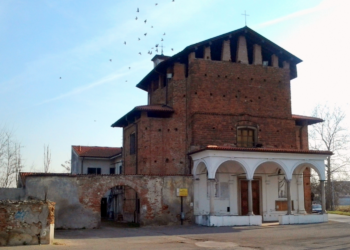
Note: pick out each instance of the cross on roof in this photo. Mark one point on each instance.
(245, 17)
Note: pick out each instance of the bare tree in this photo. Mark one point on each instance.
(47, 158)
(67, 166)
(331, 135)
(10, 158)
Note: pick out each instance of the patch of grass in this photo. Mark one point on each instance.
(339, 212)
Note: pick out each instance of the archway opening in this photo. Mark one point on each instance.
(309, 179)
(120, 205)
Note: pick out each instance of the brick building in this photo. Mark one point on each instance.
(220, 110)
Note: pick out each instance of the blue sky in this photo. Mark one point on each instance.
(43, 40)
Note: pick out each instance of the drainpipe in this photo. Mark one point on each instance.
(136, 146)
(82, 166)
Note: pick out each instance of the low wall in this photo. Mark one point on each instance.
(228, 220)
(302, 219)
(26, 222)
(16, 194)
(78, 197)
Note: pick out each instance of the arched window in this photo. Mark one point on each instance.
(246, 137)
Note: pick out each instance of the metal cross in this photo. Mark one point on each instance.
(245, 17)
(162, 48)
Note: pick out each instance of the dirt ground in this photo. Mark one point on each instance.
(332, 235)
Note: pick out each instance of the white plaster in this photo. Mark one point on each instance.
(225, 167)
(219, 221)
(302, 219)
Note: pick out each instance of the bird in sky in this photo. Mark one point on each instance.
(164, 34)
(110, 60)
(156, 50)
(125, 43)
(60, 77)
(146, 21)
(151, 26)
(129, 67)
(172, 49)
(162, 40)
(140, 53)
(139, 39)
(156, 45)
(137, 10)
(145, 34)
(136, 18)
(156, 4)
(126, 81)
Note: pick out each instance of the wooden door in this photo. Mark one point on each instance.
(244, 197)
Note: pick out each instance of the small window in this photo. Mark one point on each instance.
(120, 169)
(111, 170)
(132, 143)
(94, 170)
(246, 137)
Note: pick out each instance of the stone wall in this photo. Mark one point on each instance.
(78, 198)
(16, 194)
(26, 222)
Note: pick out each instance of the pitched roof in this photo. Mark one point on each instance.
(252, 38)
(272, 150)
(150, 109)
(97, 152)
(310, 120)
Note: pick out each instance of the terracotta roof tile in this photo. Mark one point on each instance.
(311, 120)
(98, 152)
(161, 108)
(272, 150)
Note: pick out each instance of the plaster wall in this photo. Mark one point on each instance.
(26, 222)
(229, 196)
(78, 197)
(12, 194)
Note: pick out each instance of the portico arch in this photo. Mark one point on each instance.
(234, 166)
(199, 167)
(299, 167)
(272, 166)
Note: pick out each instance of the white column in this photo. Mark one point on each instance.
(232, 202)
(196, 197)
(289, 200)
(250, 198)
(211, 202)
(300, 192)
(323, 197)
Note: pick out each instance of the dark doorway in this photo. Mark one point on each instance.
(103, 207)
(256, 197)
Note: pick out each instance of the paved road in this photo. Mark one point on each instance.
(339, 218)
(331, 235)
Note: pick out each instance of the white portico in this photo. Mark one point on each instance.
(246, 186)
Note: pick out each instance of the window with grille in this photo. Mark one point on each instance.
(132, 144)
(246, 137)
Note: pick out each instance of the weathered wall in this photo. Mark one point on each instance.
(78, 197)
(26, 222)
(16, 194)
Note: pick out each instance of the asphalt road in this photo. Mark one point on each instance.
(332, 235)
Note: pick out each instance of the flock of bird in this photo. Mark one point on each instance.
(156, 47)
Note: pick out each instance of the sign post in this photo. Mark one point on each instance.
(182, 192)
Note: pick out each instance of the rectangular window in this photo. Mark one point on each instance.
(132, 144)
(111, 170)
(94, 170)
(245, 138)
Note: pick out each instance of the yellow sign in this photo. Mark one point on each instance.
(182, 192)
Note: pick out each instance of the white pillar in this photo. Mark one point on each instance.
(242, 53)
(289, 200)
(211, 202)
(323, 197)
(250, 198)
(300, 192)
(231, 192)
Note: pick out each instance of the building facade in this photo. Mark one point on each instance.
(220, 110)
